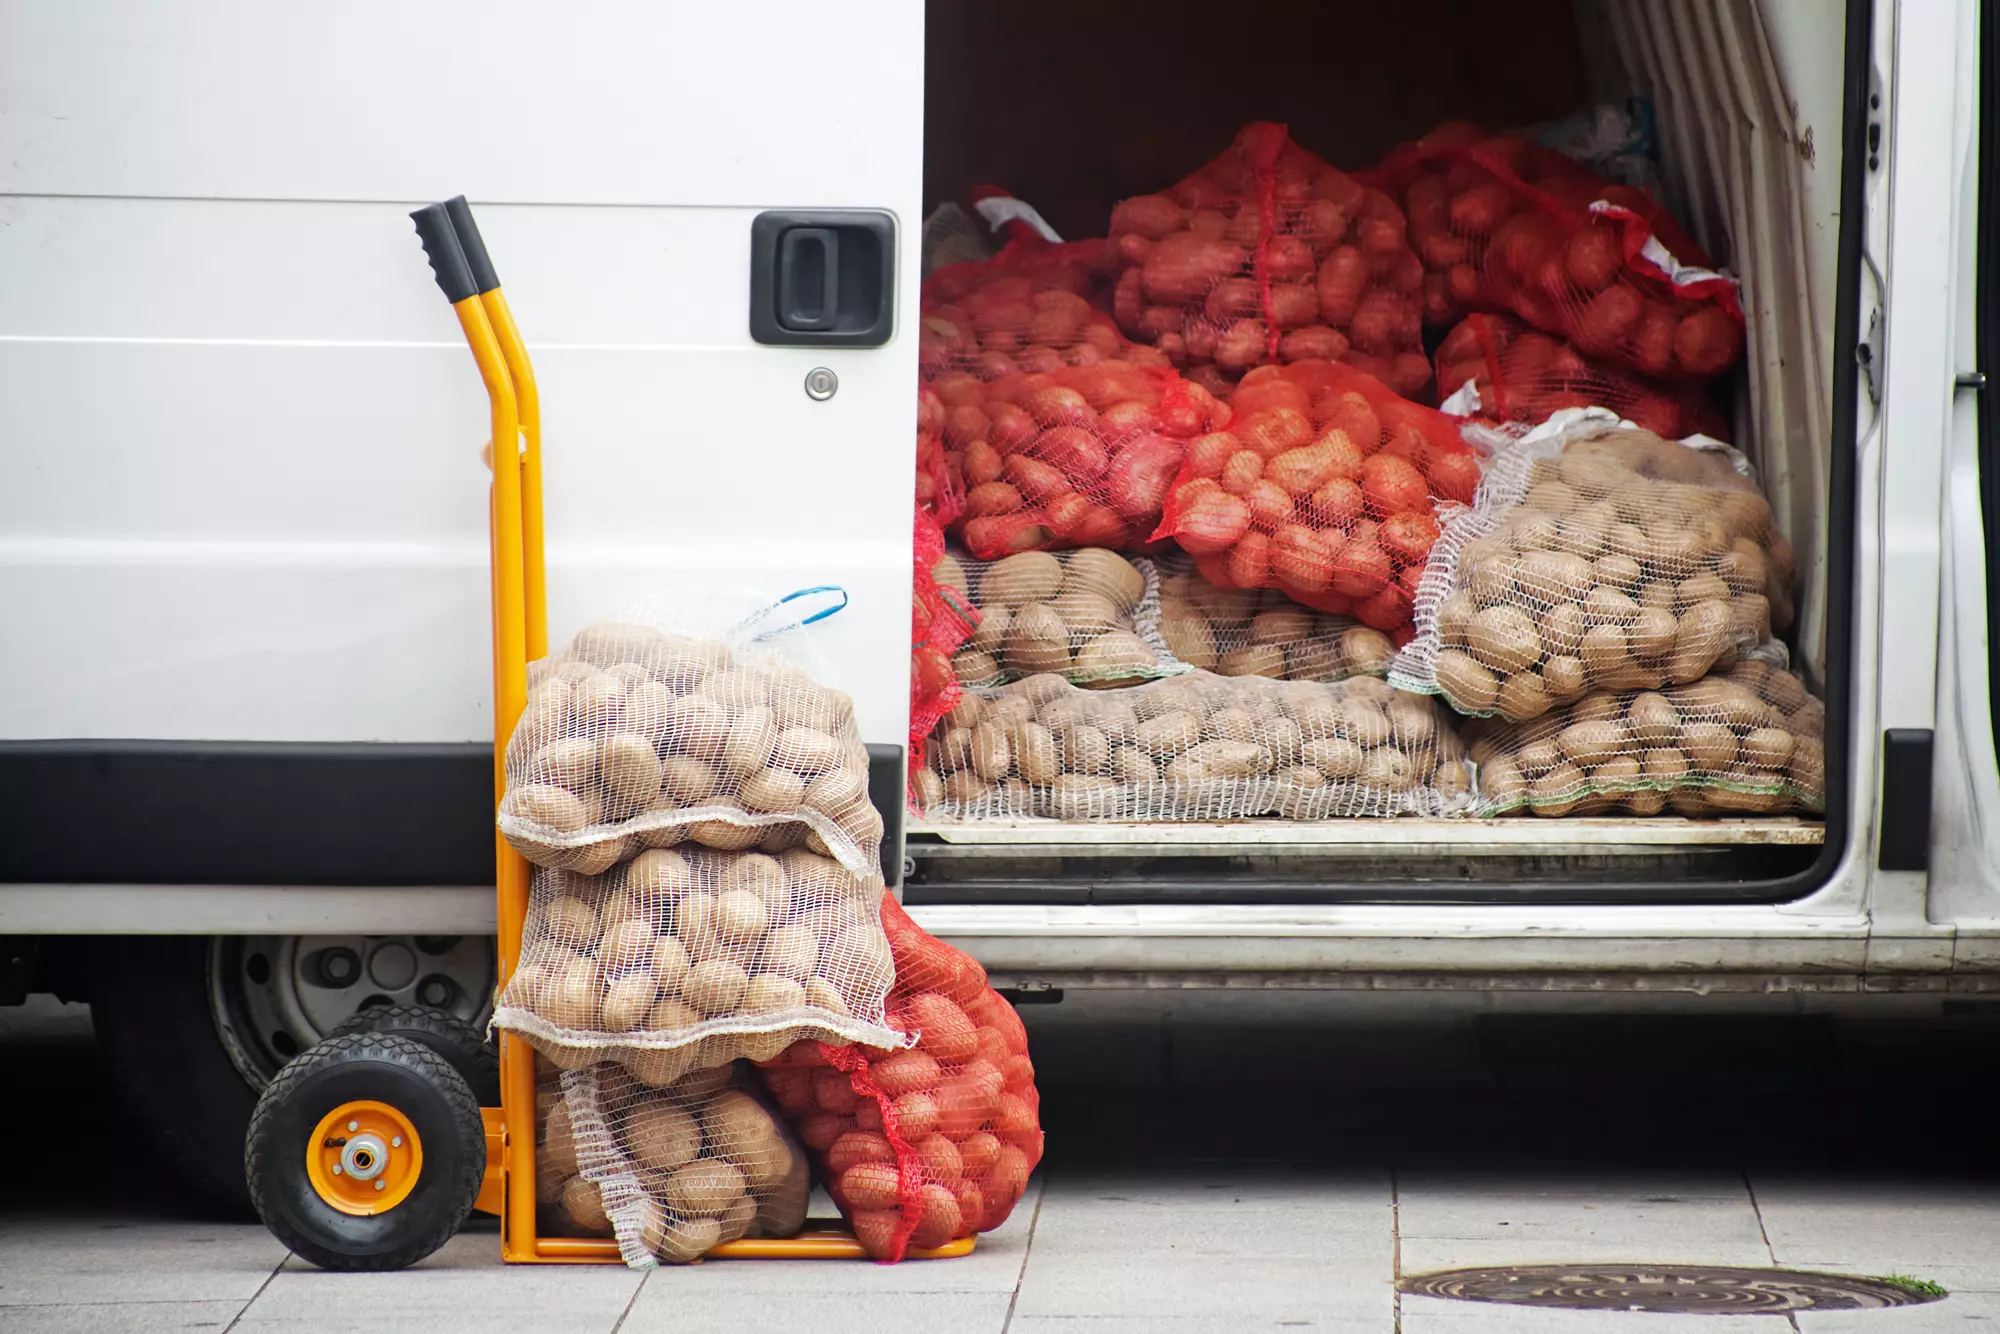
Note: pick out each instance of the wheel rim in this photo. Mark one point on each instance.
(364, 1158)
(273, 996)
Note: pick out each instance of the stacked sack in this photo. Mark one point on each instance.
(1503, 225)
(1497, 369)
(1268, 254)
(1260, 632)
(1611, 601)
(708, 890)
(1039, 425)
(1088, 615)
(922, 1145)
(1193, 747)
(1325, 486)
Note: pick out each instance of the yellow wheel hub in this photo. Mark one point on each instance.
(364, 1158)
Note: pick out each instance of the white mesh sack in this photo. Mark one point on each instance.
(1260, 631)
(1596, 557)
(673, 1173)
(636, 737)
(1194, 747)
(1089, 615)
(686, 958)
(1744, 742)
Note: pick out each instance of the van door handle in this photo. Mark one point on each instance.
(823, 278)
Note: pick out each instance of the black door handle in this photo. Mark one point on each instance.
(809, 271)
(824, 279)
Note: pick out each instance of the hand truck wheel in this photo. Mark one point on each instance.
(365, 1153)
(444, 1033)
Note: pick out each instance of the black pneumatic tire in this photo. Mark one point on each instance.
(388, 1068)
(444, 1033)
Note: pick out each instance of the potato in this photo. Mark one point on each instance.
(1031, 576)
(715, 986)
(1504, 638)
(724, 835)
(547, 806)
(1106, 573)
(570, 763)
(1254, 660)
(1523, 695)
(1191, 639)
(740, 916)
(1037, 640)
(703, 1188)
(661, 1135)
(585, 1207)
(770, 993)
(1115, 656)
(1469, 685)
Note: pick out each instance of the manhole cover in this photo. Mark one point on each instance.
(1699, 1289)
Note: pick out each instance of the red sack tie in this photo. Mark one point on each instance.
(1326, 487)
(932, 1142)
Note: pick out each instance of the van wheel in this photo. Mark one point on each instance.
(365, 1153)
(191, 1028)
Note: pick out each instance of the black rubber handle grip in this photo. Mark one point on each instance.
(454, 277)
(484, 279)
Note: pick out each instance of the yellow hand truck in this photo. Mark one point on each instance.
(395, 1113)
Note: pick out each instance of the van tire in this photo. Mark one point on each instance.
(149, 1006)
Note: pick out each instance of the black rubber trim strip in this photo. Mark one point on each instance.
(275, 813)
(1903, 840)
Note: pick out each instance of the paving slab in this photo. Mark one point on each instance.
(842, 1311)
(54, 1259)
(1452, 1220)
(118, 1317)
(1958, 1312)
(1422, 1315)
(1945, 1231)
(464, 1286)
(1258, 1246)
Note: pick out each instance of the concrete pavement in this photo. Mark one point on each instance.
(1200, 1199)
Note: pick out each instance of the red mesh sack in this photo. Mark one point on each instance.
(1325, 487)
(1502, 224)
(1519, 374)
(933, 1142)
(1052, 430)
(941, 619)
(1269, 254)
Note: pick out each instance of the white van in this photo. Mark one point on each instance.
(244, 679)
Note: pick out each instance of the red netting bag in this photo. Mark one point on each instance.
(1052, 430)
(1502, 224)
(1325, 487)
(1518, 374)
(932, 1142)
(1270, 254)
(941, 620)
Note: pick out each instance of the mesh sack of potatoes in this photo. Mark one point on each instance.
(1748, 741)
(1051, 429)
(634, 737)
(1260, 631)
(685, 958)
(1325, 486)
(671, 1172)
(1268, 254)
(1088, 615)
(936, 1141)
(942, 617)
(1597, 557)
(1194, 747)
